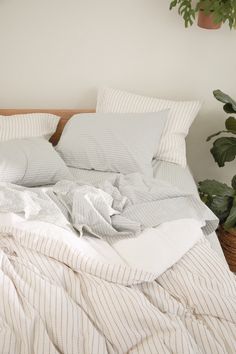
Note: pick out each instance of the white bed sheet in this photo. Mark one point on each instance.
(170, 172)
(183, 178)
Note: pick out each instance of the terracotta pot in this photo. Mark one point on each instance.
(228, 243)
(206, 21)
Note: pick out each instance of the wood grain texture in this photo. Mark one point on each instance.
(65, 115)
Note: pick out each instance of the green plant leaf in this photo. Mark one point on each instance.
(224, 150)
(230, 104)
(222, 11)
(221, 207)
(185, 9)
(228, 108)
(230, 124)
(173, 4)
(231, 219)
(218, 197)
(233, 183)
(215, 188)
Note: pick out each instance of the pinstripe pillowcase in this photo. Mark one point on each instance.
(21, 126)
(172, 147)
(31, 162)
(122, 143)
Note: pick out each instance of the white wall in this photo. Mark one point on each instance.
(55, 53)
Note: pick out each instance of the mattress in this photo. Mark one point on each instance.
(170, 172)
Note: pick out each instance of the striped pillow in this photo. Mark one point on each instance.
(21, 126)
(31, 162)
(112, 142)
(172, 147)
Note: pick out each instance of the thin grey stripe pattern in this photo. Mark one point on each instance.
(112, 142)
(175, 175)
(127, 205)
(166, 171)
(56, 300)
(29, 125)
(181, 115)
(31, 162)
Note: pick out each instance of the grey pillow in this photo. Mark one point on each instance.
(112, 141)
(31, 162)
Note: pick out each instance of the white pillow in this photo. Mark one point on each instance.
(21, 126)
(122, 143)
(31, 162)
(172, 147)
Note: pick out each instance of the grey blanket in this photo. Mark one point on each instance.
(122, 206)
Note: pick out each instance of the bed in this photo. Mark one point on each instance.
(61, 293)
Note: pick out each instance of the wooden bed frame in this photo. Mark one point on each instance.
(65, 115)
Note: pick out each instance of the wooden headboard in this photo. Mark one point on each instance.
(65, 115)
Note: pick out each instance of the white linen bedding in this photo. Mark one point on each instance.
(183, 179)
(56, 299)
(170, 172)
(122, 211)
(176, 175)
(60, 294)
(31, 162)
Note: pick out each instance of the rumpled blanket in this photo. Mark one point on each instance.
(123, 206)
(56, 300)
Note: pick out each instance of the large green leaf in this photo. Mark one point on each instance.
(221, 207)
(230, 124)
(185, 9)
(231, 219)
(233, 183)
(215, 188)
(230, 104)
(224, 150)
(218, 197)
(228, 108)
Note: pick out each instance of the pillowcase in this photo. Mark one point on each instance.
(122, 143)
(21, 126)
(172, 147)
(31, 162)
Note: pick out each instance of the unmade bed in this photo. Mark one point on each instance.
(96, 262)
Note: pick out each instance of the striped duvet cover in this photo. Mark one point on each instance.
(56, 298)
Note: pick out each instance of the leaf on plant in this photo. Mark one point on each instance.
(228, 108)
(224, 150)
(221, 207)
(185, 9)
(173, 4)
(230, 104)
(233, 183)
(215, 188)
(230, 124)
(231, 219)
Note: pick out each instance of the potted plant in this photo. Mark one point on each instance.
(220, 197)
(211, 13)
(206, 16)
